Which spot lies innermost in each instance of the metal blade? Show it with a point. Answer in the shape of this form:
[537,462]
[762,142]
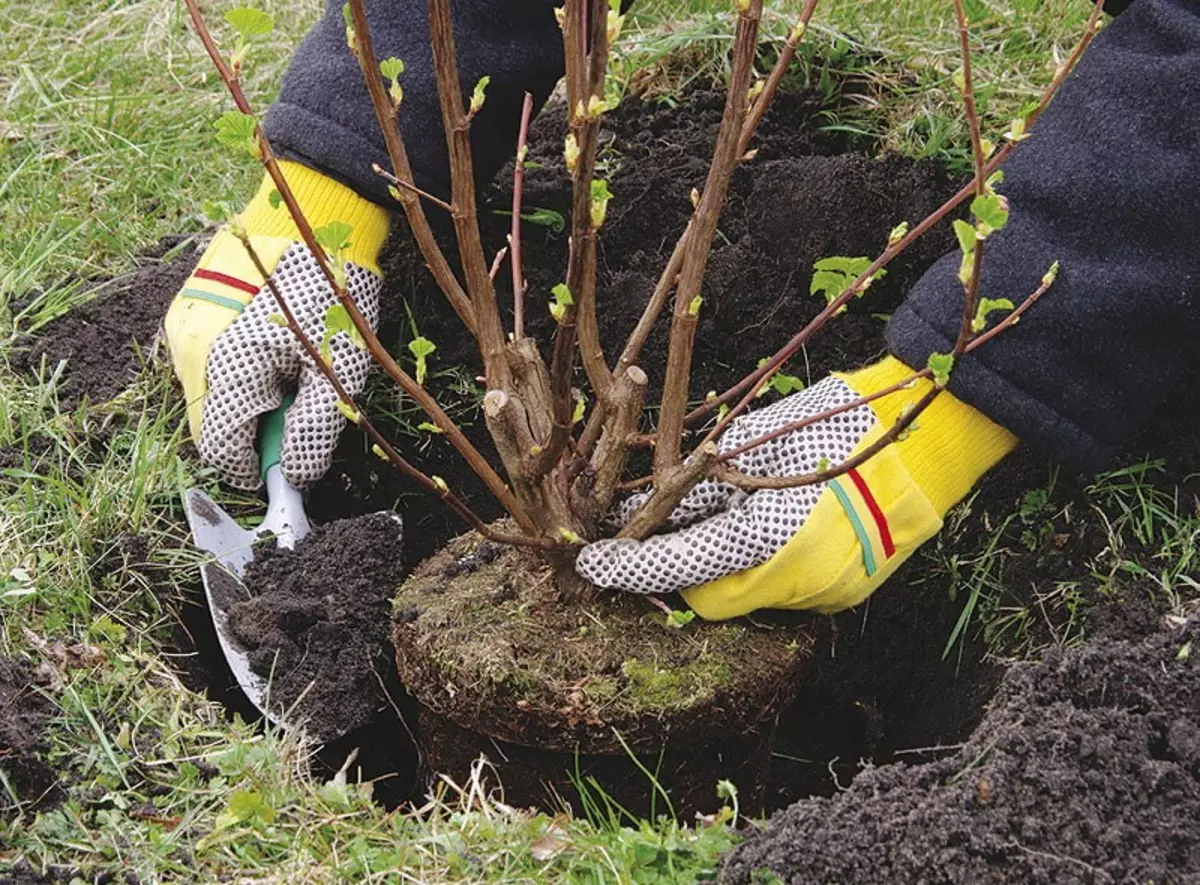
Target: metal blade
[215,533]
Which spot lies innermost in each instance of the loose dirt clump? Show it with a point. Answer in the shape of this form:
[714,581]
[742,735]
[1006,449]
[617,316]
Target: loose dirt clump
[317,623]
[23,717]
[104,340]
[1086,768]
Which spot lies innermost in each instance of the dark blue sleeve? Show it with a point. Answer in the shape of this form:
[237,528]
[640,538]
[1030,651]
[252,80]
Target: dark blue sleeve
[1108,183]
[324,118]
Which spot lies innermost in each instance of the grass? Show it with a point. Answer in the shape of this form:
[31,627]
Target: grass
[106,146]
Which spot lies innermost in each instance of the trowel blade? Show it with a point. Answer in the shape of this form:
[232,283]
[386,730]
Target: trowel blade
[231,546]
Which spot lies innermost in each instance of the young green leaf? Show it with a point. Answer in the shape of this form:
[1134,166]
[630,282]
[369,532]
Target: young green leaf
[694,306]
[941,364]
[337,319]
[542,217]
[782,383]
[429,428]
[351,414]
[250,22]
[421,348]
[571,152]
[562,300]
[677,619]
[479,96]
[898,233]
[391,68]
[990,212]
[237,130]
[987,306]
[600,197]
[335,236]
[834,275]
[580,406]
[546,218]
[966,236]
[216,210]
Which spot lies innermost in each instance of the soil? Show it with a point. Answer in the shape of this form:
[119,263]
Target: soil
[24,713]
[105,341]
[1085,769]
[317,624]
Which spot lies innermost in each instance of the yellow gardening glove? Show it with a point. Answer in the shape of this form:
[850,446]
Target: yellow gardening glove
[236,364]
[822,547]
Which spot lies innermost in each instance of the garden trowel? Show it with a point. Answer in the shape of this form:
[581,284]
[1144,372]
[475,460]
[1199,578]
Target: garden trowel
[232,549]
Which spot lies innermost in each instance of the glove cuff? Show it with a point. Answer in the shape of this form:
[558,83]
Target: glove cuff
[952,444]
[323,200]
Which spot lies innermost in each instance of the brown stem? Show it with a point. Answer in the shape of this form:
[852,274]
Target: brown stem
[763,101]
[670,275]
[677,481]
[629,396]
[699,243]
[579,324]
[371,341]
[408,186]
[968,92]
[494,271]
[976,342]
[428,483]
[1090,30]
[465,214]
[518,275]
[743,481]
[971,287]
[414,212]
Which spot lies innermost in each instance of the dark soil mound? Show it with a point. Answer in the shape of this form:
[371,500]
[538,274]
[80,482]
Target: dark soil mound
[318,624]
[23,716]
[103,340]
[1086,768]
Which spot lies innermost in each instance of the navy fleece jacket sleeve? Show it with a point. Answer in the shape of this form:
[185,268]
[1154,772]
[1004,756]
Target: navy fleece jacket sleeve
[323,116]
[1108,183]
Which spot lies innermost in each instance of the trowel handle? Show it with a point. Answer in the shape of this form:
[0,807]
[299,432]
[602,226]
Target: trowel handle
[270,437]
[285,505]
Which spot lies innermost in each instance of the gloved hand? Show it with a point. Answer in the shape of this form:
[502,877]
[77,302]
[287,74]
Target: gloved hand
[235,364]
[823,547]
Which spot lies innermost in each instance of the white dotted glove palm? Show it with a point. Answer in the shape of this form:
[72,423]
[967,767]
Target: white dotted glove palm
[718,529]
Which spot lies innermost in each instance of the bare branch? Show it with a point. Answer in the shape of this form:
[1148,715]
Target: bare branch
[518,274]
[418,223]
[476,461]
[1011,319]
[360,418]
[456,122]
[409,186]
[699,243]
[763,101]
[749,385]
[668,492]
